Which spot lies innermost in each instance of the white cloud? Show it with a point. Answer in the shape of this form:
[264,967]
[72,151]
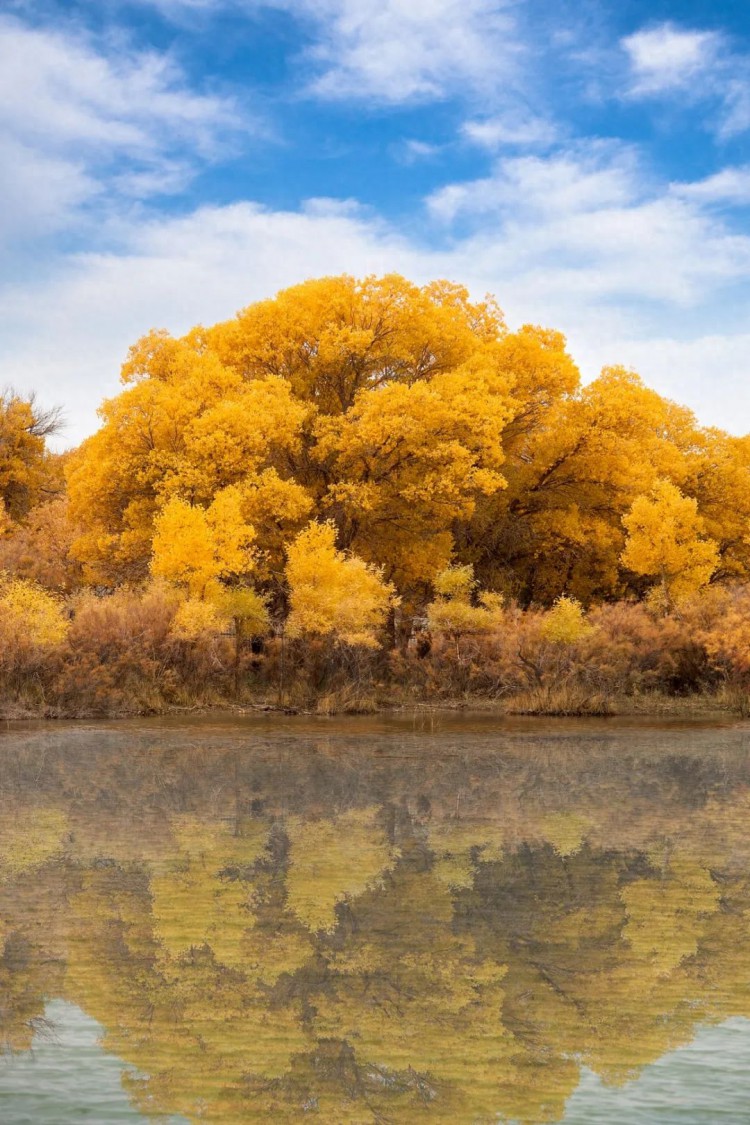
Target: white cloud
[730,186]
[707,372]
[581,238]
[79,121]
[598,176]
[588,224]
[667,57]
[511,129]
[667,61]
[66,336]
[574,241]
[413,151]
[396,50]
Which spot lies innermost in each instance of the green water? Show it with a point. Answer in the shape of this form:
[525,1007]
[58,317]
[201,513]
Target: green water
[447,919]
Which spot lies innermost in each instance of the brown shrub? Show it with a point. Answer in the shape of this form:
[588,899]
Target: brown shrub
[121,657]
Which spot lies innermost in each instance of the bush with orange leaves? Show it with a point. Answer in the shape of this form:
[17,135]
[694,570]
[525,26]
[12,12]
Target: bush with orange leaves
[497,663]
[613,651]
[39,548]
[725,636]
[632,651]
[33,624]
[122,657]
[132,652]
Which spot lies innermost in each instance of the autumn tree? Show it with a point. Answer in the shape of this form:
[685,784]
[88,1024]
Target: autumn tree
[247,610]
[195,547]
[565,624]
[333,338]
[666,543]
[375,403]
[39,549]
[718,477]
[32,622]
[455,614]
[29,615]
[332,594]
[27,470]
[184,429]
[416,422]
[573,470]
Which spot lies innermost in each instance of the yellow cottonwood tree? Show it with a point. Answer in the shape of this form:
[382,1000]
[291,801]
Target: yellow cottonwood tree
[27,469]
[718,477]
[29,615]
[376,403]
[194,546]
[185,427]
[331,594]
[415,421]
[39,548]
[573,471]
[452,613]
[408,461]
[565,623]
[666,542]
[335,337]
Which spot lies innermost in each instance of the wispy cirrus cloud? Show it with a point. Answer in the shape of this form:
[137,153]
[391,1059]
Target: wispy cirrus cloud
[698,66]
[729,187]
[400,50]
[589,224]
[83,121]
[583,234]
[393,51]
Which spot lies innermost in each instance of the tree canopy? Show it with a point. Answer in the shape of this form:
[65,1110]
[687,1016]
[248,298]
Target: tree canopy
[416,424]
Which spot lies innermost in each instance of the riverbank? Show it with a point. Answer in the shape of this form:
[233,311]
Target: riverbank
[657,705]
[120,656]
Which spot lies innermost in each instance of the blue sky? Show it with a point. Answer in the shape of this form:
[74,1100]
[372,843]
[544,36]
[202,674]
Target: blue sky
[165,162]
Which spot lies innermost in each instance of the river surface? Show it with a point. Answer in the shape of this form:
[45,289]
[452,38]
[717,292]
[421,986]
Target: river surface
[448,919]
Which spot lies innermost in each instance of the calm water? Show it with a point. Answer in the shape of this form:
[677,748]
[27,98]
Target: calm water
[390,920]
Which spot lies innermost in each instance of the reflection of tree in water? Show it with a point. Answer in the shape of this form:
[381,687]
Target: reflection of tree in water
[331,934]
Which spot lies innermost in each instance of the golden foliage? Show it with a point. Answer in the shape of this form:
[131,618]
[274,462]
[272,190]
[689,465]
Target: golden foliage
[565,623]
[29,615]
[452,612]
[196,617]
[353,446]
[40,548]
[25,465]
[195,546]
[412,418]
[332,594]
[336,337]
[665,542]
[376,402]
[242,605]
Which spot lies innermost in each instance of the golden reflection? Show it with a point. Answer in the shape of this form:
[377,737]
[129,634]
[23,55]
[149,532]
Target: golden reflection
[320,931]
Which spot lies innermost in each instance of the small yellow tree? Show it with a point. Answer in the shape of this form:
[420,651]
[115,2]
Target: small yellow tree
[194,547]
[565,623]
[452,613]
[196,618]
[247,611]
[666,543]
[30,617]
[331,594]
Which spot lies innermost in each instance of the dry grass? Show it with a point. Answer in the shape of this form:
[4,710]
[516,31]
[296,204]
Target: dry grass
[560,699]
